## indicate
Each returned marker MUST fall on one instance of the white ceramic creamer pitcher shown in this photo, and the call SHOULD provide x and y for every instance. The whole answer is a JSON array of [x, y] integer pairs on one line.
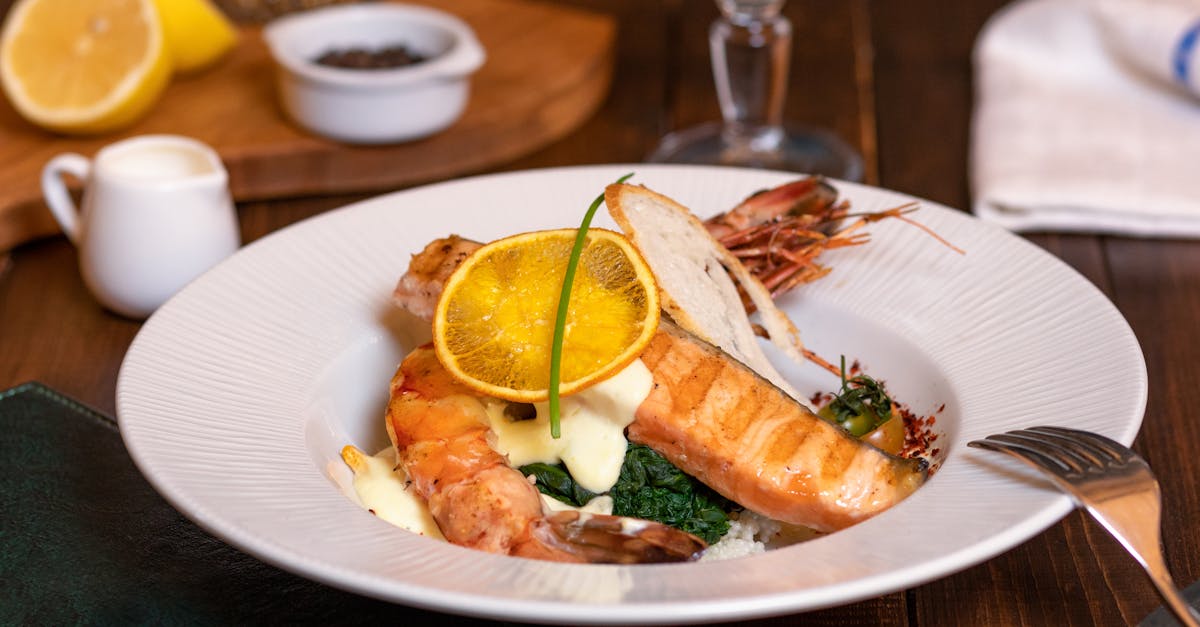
[[156, 214]]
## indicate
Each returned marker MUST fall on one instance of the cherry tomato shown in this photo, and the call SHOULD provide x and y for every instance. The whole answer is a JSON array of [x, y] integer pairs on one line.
[[888, 436]]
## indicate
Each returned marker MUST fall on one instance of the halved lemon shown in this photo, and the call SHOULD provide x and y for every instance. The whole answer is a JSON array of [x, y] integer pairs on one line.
[[83, 66], [494, 322], [198, 34]]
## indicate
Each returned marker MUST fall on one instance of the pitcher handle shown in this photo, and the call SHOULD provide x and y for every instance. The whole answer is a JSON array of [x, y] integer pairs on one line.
[[55, 190]]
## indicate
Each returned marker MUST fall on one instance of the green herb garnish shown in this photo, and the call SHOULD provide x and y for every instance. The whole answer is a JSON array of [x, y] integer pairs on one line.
[[560, 320], [861, 406]]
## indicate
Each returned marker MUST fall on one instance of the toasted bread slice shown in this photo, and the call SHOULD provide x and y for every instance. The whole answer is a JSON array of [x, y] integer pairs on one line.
[[693, 273]]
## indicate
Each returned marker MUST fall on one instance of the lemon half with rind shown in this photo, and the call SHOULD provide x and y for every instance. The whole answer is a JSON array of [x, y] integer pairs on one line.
[[83, 66], [494, 323], [198, 34]]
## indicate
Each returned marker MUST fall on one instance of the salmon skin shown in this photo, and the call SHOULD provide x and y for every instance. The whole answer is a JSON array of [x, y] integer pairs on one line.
[[719, 421]]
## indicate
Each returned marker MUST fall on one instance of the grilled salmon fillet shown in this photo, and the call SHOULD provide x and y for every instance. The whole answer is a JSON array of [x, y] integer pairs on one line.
[[719, 421]]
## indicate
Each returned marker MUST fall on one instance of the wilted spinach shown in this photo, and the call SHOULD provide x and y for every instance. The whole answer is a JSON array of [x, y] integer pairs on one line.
[[649, 487], [554, 480]]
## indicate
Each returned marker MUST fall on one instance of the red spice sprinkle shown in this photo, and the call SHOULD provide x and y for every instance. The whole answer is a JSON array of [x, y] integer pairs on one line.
[[918, 431]]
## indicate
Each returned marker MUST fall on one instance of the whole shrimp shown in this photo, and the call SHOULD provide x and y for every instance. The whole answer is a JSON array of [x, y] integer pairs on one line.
[[780, 233], [440, 432]]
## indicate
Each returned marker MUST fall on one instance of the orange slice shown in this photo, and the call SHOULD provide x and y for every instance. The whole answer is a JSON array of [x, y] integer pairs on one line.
[[494, 322]]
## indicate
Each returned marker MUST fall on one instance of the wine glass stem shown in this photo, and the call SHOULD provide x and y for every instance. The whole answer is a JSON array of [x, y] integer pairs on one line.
[[750, 53]]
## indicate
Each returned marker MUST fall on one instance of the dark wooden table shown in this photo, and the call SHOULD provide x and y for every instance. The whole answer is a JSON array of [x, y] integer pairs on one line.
[[895, 80]]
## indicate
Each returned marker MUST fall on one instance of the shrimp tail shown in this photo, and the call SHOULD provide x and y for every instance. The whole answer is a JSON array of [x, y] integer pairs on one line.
[[599, 538]]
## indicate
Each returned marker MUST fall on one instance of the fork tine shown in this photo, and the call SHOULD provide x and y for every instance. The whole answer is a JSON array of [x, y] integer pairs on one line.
[[1092, 454], [1068, 461], [1081, 455], [1099, 444], [1023, 453]]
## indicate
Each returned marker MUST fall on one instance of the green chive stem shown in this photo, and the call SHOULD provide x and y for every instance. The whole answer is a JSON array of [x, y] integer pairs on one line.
[[560, 320]]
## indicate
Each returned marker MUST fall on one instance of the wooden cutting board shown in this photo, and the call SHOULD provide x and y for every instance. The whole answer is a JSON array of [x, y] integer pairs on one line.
[[548, 69]]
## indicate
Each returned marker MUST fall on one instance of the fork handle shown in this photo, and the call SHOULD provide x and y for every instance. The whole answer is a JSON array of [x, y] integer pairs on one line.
[[1173, 599], [1138, 533]]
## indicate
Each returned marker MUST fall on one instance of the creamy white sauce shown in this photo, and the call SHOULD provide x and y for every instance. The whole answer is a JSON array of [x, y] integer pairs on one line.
[[383, 488], [592, 447], [602, 504], [593, 424]]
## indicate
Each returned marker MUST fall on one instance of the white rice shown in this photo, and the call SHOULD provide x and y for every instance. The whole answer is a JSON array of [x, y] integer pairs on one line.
[[751, 533]]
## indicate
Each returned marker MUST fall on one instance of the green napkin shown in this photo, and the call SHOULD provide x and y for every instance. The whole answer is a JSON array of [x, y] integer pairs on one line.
[[84, 539]]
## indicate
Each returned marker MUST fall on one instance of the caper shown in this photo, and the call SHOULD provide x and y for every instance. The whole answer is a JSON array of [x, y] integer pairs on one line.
[[517, 412]]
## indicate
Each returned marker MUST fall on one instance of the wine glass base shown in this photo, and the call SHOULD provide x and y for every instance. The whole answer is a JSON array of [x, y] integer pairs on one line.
[[799, 149]]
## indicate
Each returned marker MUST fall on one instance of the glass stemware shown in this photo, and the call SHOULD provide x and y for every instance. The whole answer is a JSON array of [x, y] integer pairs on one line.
[[750, 46]]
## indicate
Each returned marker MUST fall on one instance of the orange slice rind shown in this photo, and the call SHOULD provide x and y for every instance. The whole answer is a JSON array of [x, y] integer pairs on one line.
[[494, 323]]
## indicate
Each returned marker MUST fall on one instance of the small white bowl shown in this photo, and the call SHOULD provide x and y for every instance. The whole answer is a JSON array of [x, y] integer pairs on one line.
[[376, 106]]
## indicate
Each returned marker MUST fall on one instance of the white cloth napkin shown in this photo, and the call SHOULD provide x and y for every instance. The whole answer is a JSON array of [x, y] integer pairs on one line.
[[1070, 134]]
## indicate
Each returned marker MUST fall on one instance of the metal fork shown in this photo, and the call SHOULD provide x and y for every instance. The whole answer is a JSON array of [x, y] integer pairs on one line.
[[1113, 483]]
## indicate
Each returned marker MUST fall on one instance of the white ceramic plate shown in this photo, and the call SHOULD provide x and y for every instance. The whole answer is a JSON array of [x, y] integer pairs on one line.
[[237, 395]]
